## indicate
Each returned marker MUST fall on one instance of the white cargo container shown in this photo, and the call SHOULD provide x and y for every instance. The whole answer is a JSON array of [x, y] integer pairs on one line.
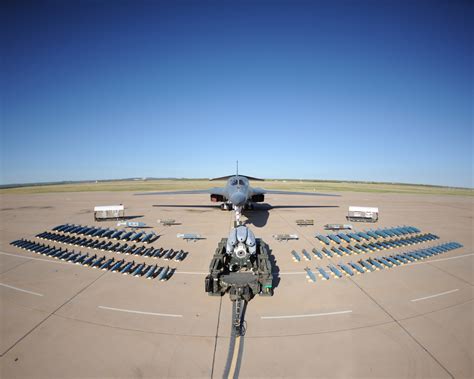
[[104, 212], [367, 214]]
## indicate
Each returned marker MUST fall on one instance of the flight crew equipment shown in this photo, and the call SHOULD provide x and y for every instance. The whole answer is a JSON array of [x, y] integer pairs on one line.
[[103, 263], [364, 214], [107, 212]]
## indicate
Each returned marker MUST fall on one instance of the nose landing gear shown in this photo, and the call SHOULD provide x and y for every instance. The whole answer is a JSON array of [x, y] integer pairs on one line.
[[238, 213]]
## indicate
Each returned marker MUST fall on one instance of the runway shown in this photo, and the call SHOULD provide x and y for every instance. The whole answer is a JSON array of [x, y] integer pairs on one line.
[[69, 321]]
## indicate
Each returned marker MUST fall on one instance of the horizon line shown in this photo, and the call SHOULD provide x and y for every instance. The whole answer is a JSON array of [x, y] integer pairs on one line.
[[62, 182]]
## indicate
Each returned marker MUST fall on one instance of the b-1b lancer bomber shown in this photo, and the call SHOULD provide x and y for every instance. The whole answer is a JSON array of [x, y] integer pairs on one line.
[[237, 194]]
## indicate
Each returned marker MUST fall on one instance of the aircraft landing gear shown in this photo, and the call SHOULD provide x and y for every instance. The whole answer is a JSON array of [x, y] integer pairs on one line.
[[238, 213], [226, 206]]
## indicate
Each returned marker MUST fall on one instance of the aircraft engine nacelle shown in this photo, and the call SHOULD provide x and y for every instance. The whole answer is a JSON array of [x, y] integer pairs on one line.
[[258, 198], [217, 198]]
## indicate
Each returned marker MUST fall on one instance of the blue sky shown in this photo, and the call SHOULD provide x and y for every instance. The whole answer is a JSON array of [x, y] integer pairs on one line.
[[353, 90]]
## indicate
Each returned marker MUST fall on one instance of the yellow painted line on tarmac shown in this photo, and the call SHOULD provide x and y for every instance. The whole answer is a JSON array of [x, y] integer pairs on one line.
[[235, 356]]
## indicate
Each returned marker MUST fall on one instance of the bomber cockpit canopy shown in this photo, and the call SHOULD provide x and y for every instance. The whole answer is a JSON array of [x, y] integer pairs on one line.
[[240, 182]]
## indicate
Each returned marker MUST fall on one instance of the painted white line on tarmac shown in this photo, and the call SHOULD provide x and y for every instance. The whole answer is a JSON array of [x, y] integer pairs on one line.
[[304, 273], [307, 315], [206, 273], [34, 259], [435, 295], [138, 312], [21, 290], [445, 259]]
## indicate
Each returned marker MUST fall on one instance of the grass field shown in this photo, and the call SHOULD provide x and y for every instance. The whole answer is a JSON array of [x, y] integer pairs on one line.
[[291, 185]]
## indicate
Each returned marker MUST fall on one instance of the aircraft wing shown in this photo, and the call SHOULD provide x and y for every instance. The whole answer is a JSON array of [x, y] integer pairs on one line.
[[214, 190], [275, 192], [230, 176]]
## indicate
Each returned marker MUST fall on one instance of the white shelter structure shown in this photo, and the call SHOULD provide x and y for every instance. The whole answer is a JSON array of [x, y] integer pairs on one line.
[[104, 212]]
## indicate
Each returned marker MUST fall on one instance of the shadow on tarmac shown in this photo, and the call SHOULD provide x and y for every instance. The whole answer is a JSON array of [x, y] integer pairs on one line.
[[258, 216]]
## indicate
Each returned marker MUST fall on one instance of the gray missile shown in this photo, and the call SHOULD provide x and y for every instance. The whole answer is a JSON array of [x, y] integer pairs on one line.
[[310, 275], [163, 273], [107, 264], [127, 267]]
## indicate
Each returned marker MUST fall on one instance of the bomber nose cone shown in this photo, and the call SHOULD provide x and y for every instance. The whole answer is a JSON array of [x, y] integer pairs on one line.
[[238, 199]]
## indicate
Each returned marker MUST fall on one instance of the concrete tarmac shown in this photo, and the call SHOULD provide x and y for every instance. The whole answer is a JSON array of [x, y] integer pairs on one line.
[[60, 320]]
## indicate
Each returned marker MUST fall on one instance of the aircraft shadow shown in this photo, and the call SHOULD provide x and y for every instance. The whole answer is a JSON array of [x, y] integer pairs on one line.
[[263, 206], [258, 217], [186, 206]]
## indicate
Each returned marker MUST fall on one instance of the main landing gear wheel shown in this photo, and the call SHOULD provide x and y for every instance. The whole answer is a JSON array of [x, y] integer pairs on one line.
[[226, 207]]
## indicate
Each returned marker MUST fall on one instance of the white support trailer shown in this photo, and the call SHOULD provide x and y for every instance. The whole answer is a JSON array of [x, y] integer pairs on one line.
[[107, 212], [363, 214]]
